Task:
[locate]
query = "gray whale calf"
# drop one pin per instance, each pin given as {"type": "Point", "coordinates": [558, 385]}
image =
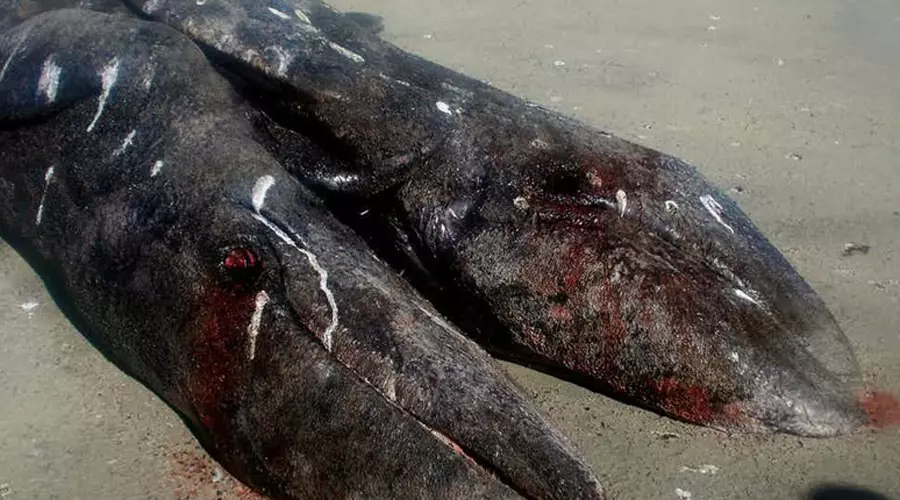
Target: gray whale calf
{"type": "Point", "coordinates": [131, 178]}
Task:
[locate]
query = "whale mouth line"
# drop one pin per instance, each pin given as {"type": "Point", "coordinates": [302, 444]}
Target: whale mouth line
{"type": "Point", "coordinates": [289, 236]}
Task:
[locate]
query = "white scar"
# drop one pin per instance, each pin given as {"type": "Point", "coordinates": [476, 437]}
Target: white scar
{"type": "Point", "coordinates": [108, 78]}
{"type": "Point", "coordinates": [154, 171]}
{"type": "Point", "coordinates": [128, 142]}
{"type": "Point", "coordinates": [621, 202]}
{"type": "Point", "coordinates": [284, 59]}
{"type": "Point", "coordinates": [262, 298]}
{"type": "Point", "coordinates": [48, 84]}
{"type": "Point", "coordinates": [443, 107]}
{"type": "Point", "coordinates": [12, 55]}
{"type": "Point", "coordinates": [302, 16]}
{"type": "Point", "coordinates": [40, 211]}
{"type": "Point", "coordinates": [279, 13]}
{"type": "Point", "coordinates": [260, 190]}
{"type": "Point", "coordinates": [715, 209]}
{"type": "Point", "coordinates": [744, 295]}
{"type": "Point", "coordinates": [349, 54]}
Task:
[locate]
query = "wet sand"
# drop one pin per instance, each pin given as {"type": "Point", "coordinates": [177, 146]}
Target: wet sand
{"type": "Point", "coordinates": [793, 107]}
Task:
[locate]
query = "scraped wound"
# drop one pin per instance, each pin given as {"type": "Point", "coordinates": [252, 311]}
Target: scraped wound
{"type": "Point", "coordinates": [108, 77]}
{"type": "Point", "coordinates": [260, 190]}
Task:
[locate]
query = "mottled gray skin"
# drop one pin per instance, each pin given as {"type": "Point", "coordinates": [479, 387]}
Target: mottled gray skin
{"type": "Point", "coordinates": [132, 179]}
{"type": "Point", "coordinates": [552, 243]}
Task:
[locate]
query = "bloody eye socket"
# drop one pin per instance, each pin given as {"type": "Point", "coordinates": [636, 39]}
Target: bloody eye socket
{"type": "Point", "coordinates": [242, 264]}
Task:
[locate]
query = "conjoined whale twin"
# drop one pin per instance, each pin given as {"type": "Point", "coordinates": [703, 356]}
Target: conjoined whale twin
{"type": "Point", "coordinates": [312, 245]}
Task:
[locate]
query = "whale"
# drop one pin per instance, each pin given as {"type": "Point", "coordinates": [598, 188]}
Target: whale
{"type": "Point", "coordinates": [551, 243]}
{"type": "Point", "coordinates": [133, 180]}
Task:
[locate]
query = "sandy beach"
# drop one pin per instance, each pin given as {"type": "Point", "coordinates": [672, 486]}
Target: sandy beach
{"type": "Point", "coordinates": [792, 107]}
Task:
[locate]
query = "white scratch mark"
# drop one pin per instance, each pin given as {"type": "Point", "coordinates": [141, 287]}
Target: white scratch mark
{"type": "Point", "coordinates": [401, 82]}
{"type": "Point", "coordinates": [349, 54]}
{"type": "Point", "coordinates": [434, 318]}
{"type": "Point", "coordinates": [147, 82]}
{"type": "Point", "coordinates": [108, 77]}
{"type": "Point", "coordinates": [390, 387]}
{"type": "Point", "coordinates": [672, 207]}
{"type": "Point", "coordinates": [621, 202]}
{"type": "Point", "coordinates": [40, 211]}
{"type": "Point", "coordinates": [734, 356]}
{"type": "Point", "coordinates": [703, 469]}
{"type": "Point", "coordinates": [262, 298]}
{"type": "Point", "coordinates": [715, 209]}
{"type": "Point", "coordinates": [12, 55]}
{"type": "Point", "coordinates": [48, 83]}
{"type": "Point", "coordinates": [260, 189]}
{"type": "Point", "coordinates": [128, 142]}
{"type": "Point", "coordinates": [284, 59]}
{"type": "Point", "coordinates": [302, 16]}
{"type": "Point", "coordinates": [201, 2]}
{"type": "Point", "coordinates": [157, 166]}
{"type": "Point", "coordinates": [453, 213]}
{"type": "Point", "coordinates": [323, 285]}
{"type": "Point", "coordinates": [443, 107]}
{"type": "Point", "coordinates": [152, 6]}
{"type": "Point", "coordinates": [521, 203]}
{"type": "Point", "coordinates": [744, 295]}
{"type": "Point", "coordinates": [29, 306]}
{"type": "Point", "coordinates": [279, 13]}
{"type": "Point", "coordinates": [683, 494]}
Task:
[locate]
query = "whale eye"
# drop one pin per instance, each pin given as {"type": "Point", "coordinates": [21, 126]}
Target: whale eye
{"type": "Point", "coordinates": [241, 265]}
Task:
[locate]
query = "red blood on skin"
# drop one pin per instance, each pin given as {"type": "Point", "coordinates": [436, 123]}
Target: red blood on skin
{"type": "Point", "coordinates": [219, 351]}
{"type": "Point", "coordinates": [688, 402]}
{"type": "Point", "coordinates": [575, 261]}
{"type": "Point", "coordinates": [882, 408]}
{"type": "Point", "coordinates": [240, 258]}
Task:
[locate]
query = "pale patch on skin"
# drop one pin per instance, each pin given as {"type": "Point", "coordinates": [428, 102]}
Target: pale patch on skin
{"type": "Point", "coordinates": [745, 296]}
{"type": "Point", "coordinates": [621, 202]}
{"type": "Point", "coordinates": [349, 54]}
{"type": "Point", "coordinates": [302, 16]}
{"type": "Point", "coordinates": [260, 190]}
{"type": "Point", "coordinates": [715, 209]}
{"type": "Point", "coordinates": [390, 387]}
{"type": "Point", "coordinates": [262, 298]}
{"type": "Point", "coordinates": [157, 167]}
{"type": "Point", "coordinates": [672, 207]}
{"type": "Point", "coordinates": [147, 82]}
{"type": "Point", "coordinates": [152, 6]}
{"type": "Point", "coordinates": [40, 211]}
{"type": "Point", "coordinates": [48, 83]}
{"type": "Point", "coordinates": [279, 13]}
{"type": "Point", "coordinates": [401, 82]}
{"type": "Point", "coordinates": [443, 107]}
{"type": "Point", "coordinates": [284, 59]}
{"type": "Point", "coordinates": [108, 77]}
{"type": "Point", "coordinates": [128, 142]}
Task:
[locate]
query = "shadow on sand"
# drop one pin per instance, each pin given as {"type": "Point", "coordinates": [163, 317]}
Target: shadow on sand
{"type": "Point", "coordinates": [844, 492]}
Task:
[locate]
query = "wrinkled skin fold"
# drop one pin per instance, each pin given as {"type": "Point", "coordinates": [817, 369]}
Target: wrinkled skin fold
{"type": "Point", "coordinates": [547, 241]}
{"type": "Point", "coordinates": [132, 179]}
